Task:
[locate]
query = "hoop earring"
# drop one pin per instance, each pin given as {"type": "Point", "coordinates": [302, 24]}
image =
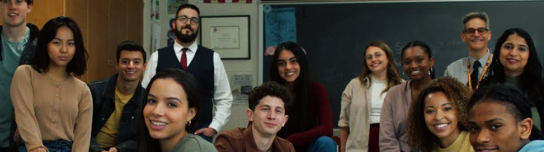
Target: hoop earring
{"type": "Point", "coordinates": [188, 123]}
{"type": "Point", "coordinates": [430, 70]}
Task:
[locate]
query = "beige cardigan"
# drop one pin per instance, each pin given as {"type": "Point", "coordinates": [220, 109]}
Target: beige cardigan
{"type": "Point", "coordinates": [355, 114]}
{"type": "Point", "coordinates": [46, 110]}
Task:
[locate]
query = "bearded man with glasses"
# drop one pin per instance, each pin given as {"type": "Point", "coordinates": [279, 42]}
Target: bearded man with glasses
{"type": "Point", "coordinates": [203, 63]}
{"type": "Point", "coordinates": [476, 34]}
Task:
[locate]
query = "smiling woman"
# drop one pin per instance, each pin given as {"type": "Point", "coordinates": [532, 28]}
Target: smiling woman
{"type": "Point", "coordinates": [417, 61]}
{"type": "Point", "coordinates": [362, 99]}
{"type": "Point", "coordinates": [172, 101]}
{"type": "Point", "coordinates": [516, 63]}
{"type": "Point", "coordinates": [310, 125]}
{"type": "Point", "coordinates": [437, 119]}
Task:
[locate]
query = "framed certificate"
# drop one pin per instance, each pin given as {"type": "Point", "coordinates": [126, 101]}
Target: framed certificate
{"type": "Point", "coordinates": [226, 35]}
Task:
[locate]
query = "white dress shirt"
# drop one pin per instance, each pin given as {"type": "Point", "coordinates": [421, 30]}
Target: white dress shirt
{"type": "Point", "coordinates": [458, 69]}
{"type": "Point", "coordinates": [222, 96]}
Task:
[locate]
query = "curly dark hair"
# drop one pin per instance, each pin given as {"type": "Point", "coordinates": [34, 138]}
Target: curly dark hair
{"type": "Point", "coordinates": [270, 88]}
{"type": "Point", "coordinates": [419, 136]}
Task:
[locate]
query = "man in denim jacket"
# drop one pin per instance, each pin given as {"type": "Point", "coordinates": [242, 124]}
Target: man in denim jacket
{"type": "Point", "coordinates": [117, 101]}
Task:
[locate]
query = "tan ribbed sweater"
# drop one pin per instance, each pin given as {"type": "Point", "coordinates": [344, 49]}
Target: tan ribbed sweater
{"type": "Point", "coordinates": [49, 110]}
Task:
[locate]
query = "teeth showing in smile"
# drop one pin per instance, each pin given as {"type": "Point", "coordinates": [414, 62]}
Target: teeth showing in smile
{"type": "Point", "coordinates": [131, 72]}
{"type": "Point", "coordinates": [290, 73]}
{"type": "Point", "coordinates": [158, 123]}
{"type": "Point", "coordinates": [440, 126]}
{"type": "Point", "coordinates": [415, 72]}
{"type": "Point", "coordinates": [12, 14]}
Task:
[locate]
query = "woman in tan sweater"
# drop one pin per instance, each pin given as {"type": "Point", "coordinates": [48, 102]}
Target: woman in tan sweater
{"type": "Point", "coordinates": [53, 109]}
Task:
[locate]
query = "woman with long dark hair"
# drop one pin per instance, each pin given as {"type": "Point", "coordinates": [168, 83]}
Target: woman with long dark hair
{"type": "Point", "coordinates": [417, 62]}
{"type": "Point", "coordinates": [310, 116]}
{"type": "Point", "coordinates": [171, 102]}
{"type": "Point", "coordinates": [53, 109]}
{"type": "Point", "coordinates": [516, 63]}
{"type": "Point", "coordinates": [362, 99]}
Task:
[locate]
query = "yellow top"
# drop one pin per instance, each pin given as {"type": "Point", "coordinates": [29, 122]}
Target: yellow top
{"type": "Point", "coordinates": [108, 134]}
{"type": "Point", "coordinates": [462, 143]}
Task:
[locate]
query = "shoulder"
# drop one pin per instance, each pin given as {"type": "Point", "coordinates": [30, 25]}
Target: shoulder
{"type": "Point", "coordinates": [285, 144]}
{"type": "Point", "coordinates": [80, 85]}
{"type": "Point", "coordinates": [456, 64]}
{"type": "Point", "coordinates": [202, 48]}
{"type": "Point", "coordinates": [317, 86]}
{"type": "Point", "coordinates": [355, 81]}
{"type": "Point", "coordinates": [98, 84]}
{"type": "Point", "coordinates": [236, 133]}
{"type": "Point", "coordinates": [34, 30]}
{"type": "Point", "coordinates": [195, 143]}
{"type": "Point", "coordinates": [397, 88]}
{"type": "Point", "coordinates": [535, 145]}
{"type": "Point", "coordinates": [24, 70]}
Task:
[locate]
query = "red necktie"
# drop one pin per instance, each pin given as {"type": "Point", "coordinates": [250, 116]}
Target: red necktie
{"type": "Point", "coordinates": [184, 59]}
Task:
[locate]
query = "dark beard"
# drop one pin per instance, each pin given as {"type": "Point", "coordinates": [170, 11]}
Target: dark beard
{"type": "Point", "coordinates": [186, 38]}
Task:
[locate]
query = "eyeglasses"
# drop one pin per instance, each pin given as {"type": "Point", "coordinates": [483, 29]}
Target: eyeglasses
{"type": "Point", "coordinates": [184, 19]}
{"type": "Point", "coordinates": [472, 31]}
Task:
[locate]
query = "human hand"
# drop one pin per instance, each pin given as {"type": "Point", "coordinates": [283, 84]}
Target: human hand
{"type": "Point", "coordinates": [113, 149]}
{"type": "Point", "coordinates": [206, 131]}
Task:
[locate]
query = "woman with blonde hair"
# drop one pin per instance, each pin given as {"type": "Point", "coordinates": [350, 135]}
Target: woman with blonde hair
{"type": "Point", "coordinates": [363, 98]}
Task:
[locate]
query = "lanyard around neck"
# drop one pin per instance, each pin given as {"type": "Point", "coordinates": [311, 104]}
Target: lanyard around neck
{"type": "Point", "coordinates": [481, 76]}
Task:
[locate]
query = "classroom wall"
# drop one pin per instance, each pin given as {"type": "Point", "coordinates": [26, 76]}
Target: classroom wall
{"type": "Point", "coordinates": [238, 117]}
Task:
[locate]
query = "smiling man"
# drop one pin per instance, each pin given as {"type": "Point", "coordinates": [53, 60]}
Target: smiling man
{"type": "Point", "coordinates": [267, 116]}
{"type": "Point", "coordinates": [476, 34]}
{"type": "Point", "coordinates": [18, 45]}
{"type": "Point", "coordinates": [117, 100]}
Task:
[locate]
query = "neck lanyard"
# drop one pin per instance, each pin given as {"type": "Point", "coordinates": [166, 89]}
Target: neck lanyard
{"type": "Point", "coordinates": [481, 76]}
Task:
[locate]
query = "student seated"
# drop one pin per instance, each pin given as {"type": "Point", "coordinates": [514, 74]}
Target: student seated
{"type": "Point", "coordinates": [116, 101]}
{"type": "Point", "coordinates": [499, 119]}
{"type": "Point", "coordinates": [437, 119]}
{"type": "Point", "coordinates": [310, 128]}
{"type": "Point", "coordinates": [267, 116]}
{"type": "Point", "coordinates": [169, 113]}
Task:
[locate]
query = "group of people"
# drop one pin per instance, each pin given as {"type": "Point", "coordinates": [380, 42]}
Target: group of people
{"type": "Point", "coordinates": [488, 101]}
{"type": "Point", "coordinates": [179, 98]}
{"type": "Point", "coordinates": [175, 100]}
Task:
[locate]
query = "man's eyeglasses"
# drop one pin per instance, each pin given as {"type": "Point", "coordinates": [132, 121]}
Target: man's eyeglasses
{"type": "Point", "coordinates": [472, 31]}
{"type": "Point", "coordinates": [184, 19]}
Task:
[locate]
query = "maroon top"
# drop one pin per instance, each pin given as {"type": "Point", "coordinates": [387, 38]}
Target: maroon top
{"type": "Point", "coordinates": [323, 115]}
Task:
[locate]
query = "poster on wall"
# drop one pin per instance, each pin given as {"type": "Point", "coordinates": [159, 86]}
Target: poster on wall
{"type": "Point", "coordinates": [172, 6]}
{"type": "Point", "coordinates": [241, 86]}
{"type": "Point", "coordinates": [280, 26]}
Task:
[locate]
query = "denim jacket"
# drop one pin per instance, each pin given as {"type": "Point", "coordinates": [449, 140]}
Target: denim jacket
{"type": "Point", "coordinates": [103, 93]}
